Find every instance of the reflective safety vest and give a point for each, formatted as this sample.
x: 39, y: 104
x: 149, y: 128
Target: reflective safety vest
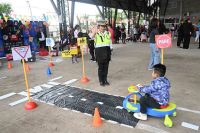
x: 102, y: 39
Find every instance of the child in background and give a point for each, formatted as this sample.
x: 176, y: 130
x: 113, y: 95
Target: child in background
x: 74, y: 52
x: 156, y: 94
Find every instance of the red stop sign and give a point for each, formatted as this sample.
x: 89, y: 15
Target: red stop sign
x: 163, y: 41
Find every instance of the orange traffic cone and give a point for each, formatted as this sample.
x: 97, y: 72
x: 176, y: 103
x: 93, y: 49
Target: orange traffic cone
x: 27, y: 68
x: 97, y: 119
x: 9, y: 65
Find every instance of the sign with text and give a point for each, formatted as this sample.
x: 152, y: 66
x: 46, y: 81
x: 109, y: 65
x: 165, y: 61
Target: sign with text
x: 82, y: 41
x: 50, y: 42
x: 73, y: 50
x: 22, y: 52
x: 66, y: 54
x: 163, y: 41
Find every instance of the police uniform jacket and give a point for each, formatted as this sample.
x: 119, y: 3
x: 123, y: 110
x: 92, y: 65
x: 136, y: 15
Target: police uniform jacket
x: 102, y: 47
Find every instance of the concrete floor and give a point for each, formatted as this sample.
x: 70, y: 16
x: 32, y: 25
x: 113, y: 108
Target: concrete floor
x: 128, y: 66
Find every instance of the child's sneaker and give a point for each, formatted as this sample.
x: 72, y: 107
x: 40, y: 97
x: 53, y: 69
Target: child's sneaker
x: 140, y: 116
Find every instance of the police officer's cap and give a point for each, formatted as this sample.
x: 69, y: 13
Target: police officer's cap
x: 101, y: 23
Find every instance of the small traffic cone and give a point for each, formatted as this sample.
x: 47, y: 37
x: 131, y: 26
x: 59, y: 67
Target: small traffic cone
x: 48, y: 71
x: 51, y: 64
x: 9, y: 65
x: 97, y: 122
x: 27, y: 67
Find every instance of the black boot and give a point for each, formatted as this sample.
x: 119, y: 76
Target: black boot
x: 106, y: 83
x: 102, y: 84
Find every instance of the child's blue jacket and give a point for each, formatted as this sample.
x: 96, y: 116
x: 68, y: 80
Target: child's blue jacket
x: 158, y: 89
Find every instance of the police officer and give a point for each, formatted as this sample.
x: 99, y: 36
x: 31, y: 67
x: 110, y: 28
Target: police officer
x: 102, y: 51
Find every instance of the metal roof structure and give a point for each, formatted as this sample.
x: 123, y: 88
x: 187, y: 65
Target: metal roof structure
x: 131, y: 5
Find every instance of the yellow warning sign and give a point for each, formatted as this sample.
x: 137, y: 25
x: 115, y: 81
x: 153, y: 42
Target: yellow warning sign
x: 66, y: 54
x: 82, y: 41
x: 73, y: 50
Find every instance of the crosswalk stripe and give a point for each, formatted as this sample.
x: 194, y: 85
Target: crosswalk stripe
x: 7, y: 95
x: 19, y: 101
x: 47, y: 86
x: 70, y: 81
x: 56, y: 78
x: 53, y: 83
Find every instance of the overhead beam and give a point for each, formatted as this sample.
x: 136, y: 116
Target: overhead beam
x: 54, y: 7
x: 100, y: 12
x: 166, y: 5
x: 119, y: 3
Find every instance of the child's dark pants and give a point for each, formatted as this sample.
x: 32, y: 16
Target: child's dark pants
x: 147, y: 101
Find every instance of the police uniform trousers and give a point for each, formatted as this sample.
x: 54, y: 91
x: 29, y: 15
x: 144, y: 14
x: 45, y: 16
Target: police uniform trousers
x: 103, y: 56
x: 103, y: 71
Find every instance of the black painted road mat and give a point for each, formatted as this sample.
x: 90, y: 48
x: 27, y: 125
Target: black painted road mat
x: 85, y: 101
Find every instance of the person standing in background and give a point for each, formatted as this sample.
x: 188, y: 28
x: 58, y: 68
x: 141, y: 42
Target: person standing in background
x: 91, y: 47
x: 155, y: 52
x: 187, y: 32
x: 180, y: 34
x: 42, y: 39
x: 112, y: 35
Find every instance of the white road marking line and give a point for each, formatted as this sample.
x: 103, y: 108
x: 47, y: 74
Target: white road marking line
x: 65, y: 109
x: 87, y: 114
x: 70, y: 96
x: 188, y: 110
x: 3, y: 77
x: 47, y: 86
x: 59, y: 93
x: 101, y: 103
x: 56, y: 78
x: 75, y: 111
x: 36, y: 89
x: 149, y: 128
x: 83, y: 99
x: 53, y: 83
x: 19, y: 101
x: 191, y: 126
x: 51, y: 104
x: 23, y: 93
x: 119, y: 107
x: 113, y: 122
x: 126, y: 125
x: 70, y: 81
x: 7, y: 95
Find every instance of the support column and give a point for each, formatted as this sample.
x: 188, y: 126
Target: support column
x: 115, y: 17
x: 181, y: 10
x: 138, y: 18
x: 64, y: 17
x: 129, y: 13
x: 72, y: 14
x: 59, y: 15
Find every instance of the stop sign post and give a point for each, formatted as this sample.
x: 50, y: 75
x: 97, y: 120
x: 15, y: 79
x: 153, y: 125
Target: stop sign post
x: 163, y: 41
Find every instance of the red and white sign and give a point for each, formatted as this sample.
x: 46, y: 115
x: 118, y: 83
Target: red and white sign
x: 22, y: 52
x: 163, y: 41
